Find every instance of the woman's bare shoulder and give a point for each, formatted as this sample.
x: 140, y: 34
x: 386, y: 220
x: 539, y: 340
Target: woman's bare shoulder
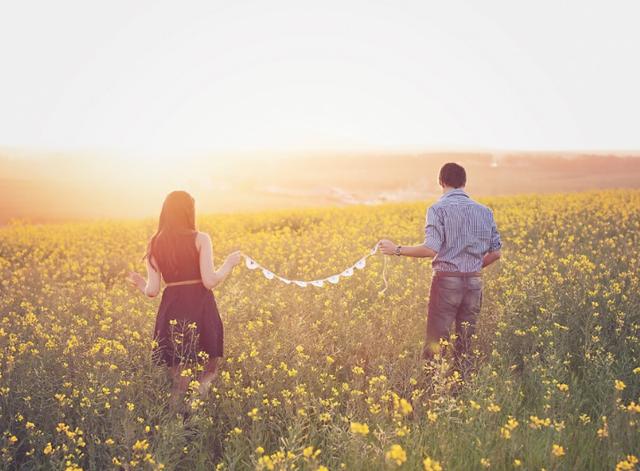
x: 202, y: 238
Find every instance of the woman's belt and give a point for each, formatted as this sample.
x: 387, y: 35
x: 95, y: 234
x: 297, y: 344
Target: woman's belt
x: 185, y: 282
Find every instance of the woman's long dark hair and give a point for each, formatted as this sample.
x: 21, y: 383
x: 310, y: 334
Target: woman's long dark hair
x: 177, y: 218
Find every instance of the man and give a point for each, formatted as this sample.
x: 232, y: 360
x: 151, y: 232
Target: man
x: 462, y: 237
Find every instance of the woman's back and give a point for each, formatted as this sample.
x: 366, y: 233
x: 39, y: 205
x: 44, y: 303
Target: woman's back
x: 184, y: 262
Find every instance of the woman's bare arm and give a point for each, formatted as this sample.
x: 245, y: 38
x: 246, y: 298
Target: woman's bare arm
x: 210, y: 276
x: 149, y: 287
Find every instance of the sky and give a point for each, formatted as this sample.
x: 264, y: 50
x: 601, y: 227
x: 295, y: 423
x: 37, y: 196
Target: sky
x: 161, y: 77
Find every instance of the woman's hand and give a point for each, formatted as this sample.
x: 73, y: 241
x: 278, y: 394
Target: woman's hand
x: 214, y: 278
x: 137, y: 281
x: 234, y: 258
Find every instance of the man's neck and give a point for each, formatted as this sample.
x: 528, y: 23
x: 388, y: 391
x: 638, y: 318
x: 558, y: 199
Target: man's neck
x: 447, y: 189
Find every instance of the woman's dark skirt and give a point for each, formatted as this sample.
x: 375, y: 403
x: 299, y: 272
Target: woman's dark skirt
x: 188, y: 326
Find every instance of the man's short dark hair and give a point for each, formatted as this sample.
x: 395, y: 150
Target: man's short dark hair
x: 453, y: 175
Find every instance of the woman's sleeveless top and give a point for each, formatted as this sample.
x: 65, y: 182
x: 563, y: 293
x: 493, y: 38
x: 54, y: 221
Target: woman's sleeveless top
x: 188, y: 266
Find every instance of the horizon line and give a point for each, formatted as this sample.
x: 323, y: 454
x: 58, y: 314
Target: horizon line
x: 40, y: 151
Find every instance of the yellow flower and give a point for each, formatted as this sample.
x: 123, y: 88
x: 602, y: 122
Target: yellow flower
x: 517, y: 463
x: 431, y: 465
x: 603, y: 432
x: 253, y: 413
x: 512, y: 423
x: 633, y: 407
x: 309, y: 452
x: 619, y: 385
x: 266, y: 462
x: 485, y: 463
x: 557, y: 450
x: 48, y: 449
x: 505, y: 431
x: 405, y: 407
x: 259, y: 450
x: 627, y: 464
x: 537, y: 423
x: 563, y: 387
x: 493, y: 408
x: 358, y: 428
x: 140, y: 445
x: 396, y: 455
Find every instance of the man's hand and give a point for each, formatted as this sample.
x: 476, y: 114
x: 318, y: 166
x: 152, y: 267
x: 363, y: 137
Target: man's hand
x: 490, y: 257
x: 387, y: 247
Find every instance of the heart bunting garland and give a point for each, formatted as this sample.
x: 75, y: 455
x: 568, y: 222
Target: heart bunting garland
x: 251, y: 264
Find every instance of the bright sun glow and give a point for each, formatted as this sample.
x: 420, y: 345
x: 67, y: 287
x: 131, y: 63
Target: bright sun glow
x: 155, y: 79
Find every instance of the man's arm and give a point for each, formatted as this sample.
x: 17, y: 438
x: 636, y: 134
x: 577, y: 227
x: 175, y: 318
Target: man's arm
x: 433, y: 239
x: 494, y: 246
x: 490, y: 257
x: 418, y: 251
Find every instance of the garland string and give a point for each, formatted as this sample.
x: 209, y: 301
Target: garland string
x: 251, y: 264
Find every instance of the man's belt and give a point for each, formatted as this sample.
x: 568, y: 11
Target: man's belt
x: 459, y: 274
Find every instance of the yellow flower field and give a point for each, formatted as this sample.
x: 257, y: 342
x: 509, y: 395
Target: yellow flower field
x: 331, y: 378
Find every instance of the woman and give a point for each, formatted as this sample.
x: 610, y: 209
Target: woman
x: 188, y: 326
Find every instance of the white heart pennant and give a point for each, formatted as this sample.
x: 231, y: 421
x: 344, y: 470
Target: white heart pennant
x: 251, y: 264
x: 347, y: 272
